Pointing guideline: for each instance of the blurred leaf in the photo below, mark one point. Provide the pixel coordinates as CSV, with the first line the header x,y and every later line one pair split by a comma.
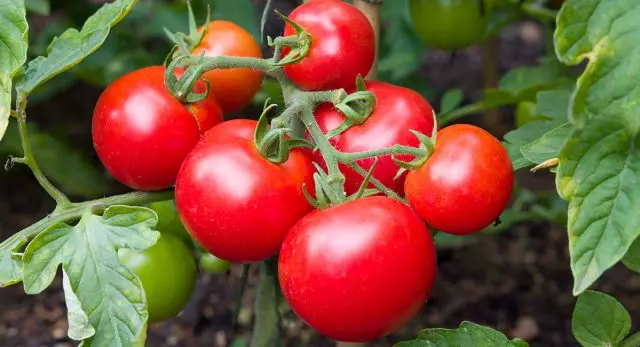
x,y
468,335
599,320
524,83
110,294
503,13
41,7
241,12
13,38
72,46
62,163
266,329
632,258
400,47
451,100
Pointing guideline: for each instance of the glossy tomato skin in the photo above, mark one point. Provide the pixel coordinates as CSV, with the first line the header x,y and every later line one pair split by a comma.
x,y
235,203
448,24
168,274
233,88
397,111
142,134
359,270
342,45
465,185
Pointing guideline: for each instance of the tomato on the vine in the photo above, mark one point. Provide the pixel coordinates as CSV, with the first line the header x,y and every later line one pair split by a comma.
x,y
142,134
233,88
342,45
235,203
167,271
465,185
169,219
448,24
212,264
397,111
359,270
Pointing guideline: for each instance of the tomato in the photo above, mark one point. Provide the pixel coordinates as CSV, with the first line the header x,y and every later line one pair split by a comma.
x,y
212,264
465,185
448,24
142,134
168,274
397,111
233,88
169,220
235,203
359,270
342,45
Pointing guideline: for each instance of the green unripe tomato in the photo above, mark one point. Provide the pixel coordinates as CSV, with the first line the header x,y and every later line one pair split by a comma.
x,y
448,24
169,220
212,264
168,274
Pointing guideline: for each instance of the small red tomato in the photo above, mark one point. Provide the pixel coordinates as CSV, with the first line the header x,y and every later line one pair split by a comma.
x,y
342,45
359,270
233,88
397,111
465,185
235,203
142,133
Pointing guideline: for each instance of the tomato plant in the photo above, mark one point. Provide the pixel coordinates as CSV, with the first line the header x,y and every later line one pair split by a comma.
x,y
232,88
142,134
398,110
448,24
329,256
225,179
469,174
340,36
168,274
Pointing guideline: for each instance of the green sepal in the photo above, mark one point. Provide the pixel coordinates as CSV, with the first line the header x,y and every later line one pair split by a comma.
x,y
365,182
360,83
298,51
188,42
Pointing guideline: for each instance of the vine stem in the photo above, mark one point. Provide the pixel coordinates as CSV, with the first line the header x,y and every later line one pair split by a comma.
x,y
631,341
29,159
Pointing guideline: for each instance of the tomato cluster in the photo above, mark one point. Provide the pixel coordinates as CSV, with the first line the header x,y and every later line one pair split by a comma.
x,y
356,268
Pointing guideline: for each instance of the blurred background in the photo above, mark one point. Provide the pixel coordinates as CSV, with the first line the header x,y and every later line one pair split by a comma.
x,y
515,278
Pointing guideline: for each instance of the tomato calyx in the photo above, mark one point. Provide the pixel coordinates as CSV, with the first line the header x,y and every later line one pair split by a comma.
x,y
185,43
298,44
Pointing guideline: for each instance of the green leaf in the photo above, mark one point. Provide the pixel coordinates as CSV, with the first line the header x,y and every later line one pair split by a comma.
x,y
241,12
548,146
74,173
468,335
72,46
110,295
524,83
599,168
41,7
599,320
266,329
10,261
554,104
14,40
451,100
632,258
79,327
400,47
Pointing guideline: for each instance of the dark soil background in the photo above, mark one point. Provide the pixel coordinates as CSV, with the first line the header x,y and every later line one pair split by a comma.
x,y
518,281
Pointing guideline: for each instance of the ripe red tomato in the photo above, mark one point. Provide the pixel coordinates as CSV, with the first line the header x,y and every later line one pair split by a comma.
x,y
397,111
342,45
142,134
465,185
235,203
233,88
359,270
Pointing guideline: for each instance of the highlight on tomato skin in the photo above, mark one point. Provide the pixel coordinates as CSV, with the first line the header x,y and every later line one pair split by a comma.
x,y
235,203
142,134
466,184
342,45
359,270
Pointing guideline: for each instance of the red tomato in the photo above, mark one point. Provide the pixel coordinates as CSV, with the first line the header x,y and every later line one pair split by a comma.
x,y
235,203
397,111
233,88
342,45
359,270
465,185
142,134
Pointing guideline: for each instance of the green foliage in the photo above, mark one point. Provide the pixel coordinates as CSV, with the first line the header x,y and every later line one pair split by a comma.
x,y
13,39
632,258
600,320
266,330
467,335
107,306
599,167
